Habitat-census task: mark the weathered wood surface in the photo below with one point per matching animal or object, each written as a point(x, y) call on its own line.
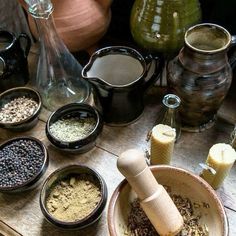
point(22, 212)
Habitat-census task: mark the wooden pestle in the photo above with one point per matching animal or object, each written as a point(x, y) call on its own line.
point(154, 199)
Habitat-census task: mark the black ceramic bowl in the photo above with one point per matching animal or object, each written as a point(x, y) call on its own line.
point(17, 92)
point(75, 110)
point(30, 160)
point(62, 174)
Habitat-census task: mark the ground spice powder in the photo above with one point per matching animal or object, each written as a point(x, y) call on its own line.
point(73, 198)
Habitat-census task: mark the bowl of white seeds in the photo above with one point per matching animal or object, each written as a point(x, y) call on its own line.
point(19, 108)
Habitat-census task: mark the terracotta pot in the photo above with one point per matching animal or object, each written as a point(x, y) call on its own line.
point(79, 23)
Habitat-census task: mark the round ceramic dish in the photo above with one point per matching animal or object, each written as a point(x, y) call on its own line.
point(34, 180)
point(62, 174)
point(17, 92)
point(75, 110)
point(181, 182)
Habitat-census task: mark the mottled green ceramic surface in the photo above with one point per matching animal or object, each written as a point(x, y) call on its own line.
point(160, 25)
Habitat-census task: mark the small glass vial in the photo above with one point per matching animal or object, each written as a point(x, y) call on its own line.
point(169, 115)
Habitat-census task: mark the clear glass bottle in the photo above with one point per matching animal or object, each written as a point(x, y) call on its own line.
point(168, 115)
point(58, 77)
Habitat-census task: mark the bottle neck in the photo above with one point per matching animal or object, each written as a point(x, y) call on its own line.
point(40, 8)
point(47, 32)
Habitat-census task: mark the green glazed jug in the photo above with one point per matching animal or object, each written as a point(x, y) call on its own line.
point(160, 25)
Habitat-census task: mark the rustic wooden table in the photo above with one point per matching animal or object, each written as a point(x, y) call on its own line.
point(20, 214)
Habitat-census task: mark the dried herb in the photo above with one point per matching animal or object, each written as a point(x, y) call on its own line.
point(139, 224)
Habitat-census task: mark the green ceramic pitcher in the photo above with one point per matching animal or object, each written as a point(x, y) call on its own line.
point(159, 25)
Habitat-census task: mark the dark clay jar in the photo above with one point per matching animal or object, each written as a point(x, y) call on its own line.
point(201, 75)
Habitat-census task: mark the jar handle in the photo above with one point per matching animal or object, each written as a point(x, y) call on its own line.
point(28, 43)
point(232, 56)
point(158, 61)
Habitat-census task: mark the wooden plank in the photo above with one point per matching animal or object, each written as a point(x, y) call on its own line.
point(232, 222)
point(6, 230)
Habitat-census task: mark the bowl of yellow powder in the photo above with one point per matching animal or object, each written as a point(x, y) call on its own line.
point(73, 197)
point(74, 127)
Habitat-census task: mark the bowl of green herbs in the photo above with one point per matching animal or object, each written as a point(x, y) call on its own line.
point(74, 127)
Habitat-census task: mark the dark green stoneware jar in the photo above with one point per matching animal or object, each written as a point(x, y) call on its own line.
point(160, 25)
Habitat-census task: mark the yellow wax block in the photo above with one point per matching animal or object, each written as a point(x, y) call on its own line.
point(221, 158)
point(162, 144)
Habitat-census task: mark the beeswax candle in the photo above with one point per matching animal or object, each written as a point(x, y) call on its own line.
point(221, 158)
point(162, 144)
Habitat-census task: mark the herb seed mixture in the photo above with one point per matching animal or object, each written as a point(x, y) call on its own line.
point(72, 129)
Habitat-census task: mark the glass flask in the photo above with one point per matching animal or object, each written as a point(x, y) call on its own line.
point(169, 115)
point(58, 76)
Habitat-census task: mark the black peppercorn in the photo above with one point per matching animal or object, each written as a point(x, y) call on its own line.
point(20, 160)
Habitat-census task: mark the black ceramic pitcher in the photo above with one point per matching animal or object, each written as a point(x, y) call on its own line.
point(120, 76)
point(13, 59)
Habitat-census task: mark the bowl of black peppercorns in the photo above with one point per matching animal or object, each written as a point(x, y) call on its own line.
point(23, 161)
point(19, 108)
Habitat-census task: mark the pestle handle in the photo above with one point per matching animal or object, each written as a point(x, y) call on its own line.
point(154, 199)
point(131, 163)
point(133, 166)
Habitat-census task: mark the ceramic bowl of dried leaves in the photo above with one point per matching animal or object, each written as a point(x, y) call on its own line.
point(203, 212)
point(74, 127)
point(73, 197)
point(19, 108)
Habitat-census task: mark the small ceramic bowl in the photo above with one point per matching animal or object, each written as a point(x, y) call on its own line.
point(181, 182)
point(78, 111)
point(30, 121)
point(61, 175)
point(15, 156)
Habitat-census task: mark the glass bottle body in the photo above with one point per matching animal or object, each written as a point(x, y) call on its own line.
point(169, 115)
